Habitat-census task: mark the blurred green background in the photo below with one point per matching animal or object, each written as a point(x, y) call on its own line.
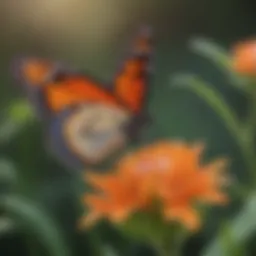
point(93, 36)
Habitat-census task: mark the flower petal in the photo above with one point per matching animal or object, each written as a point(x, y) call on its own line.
point(97, 203)
point(214, 197)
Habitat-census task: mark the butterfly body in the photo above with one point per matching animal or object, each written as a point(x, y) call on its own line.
point(85, 123)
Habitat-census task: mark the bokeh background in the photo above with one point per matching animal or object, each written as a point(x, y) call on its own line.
point(93, 35)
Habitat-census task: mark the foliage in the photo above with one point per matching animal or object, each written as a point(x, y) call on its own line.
point(242, 227)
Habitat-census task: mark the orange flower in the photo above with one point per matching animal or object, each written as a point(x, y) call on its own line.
point(244, 57)
point(169, 172)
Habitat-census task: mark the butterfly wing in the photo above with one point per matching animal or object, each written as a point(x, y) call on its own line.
point(87, 134)
point(77, 89)
point(132, 81)
point(33, 74)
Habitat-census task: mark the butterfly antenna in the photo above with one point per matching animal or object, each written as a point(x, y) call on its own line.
point(143, 41)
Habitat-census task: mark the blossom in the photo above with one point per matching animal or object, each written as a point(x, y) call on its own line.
point(169, 173)
point(244, 57)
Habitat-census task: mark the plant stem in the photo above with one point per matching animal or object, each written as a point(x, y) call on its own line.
point(250, 134)
point(247, 153)
point(171, 248)
point(161, 251)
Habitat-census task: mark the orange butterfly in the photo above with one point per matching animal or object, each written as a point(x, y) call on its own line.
point(86, 122)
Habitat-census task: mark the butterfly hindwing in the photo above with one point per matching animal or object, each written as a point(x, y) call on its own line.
point(88, 133)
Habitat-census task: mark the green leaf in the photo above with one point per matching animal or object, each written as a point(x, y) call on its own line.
point(20, 111)
point(8, 130)
point(37, 222)
point(212, 97)
point(242, 228)
point(109, 251)
point(229, 244)
point(14, 119)
point(215, 100)
point(7, 172)
point(211, 50)
point(221, 58)
point(6, 226)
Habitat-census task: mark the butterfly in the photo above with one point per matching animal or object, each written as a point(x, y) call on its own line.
point(84, 121)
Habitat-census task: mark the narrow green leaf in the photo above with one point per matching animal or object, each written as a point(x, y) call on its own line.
point(109, 251)
point(7, 172)
point(215, 100)
point(212, 97)
point(241, 228)
point(37, 222)
point(6, 226)
point(221, 58)
point(229, 244)
point(211, 50)
point(8, 130)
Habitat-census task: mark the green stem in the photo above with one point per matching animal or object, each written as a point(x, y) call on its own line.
point(248, 155)
point(250, 135)
point(172, 247)
point(161, 251)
